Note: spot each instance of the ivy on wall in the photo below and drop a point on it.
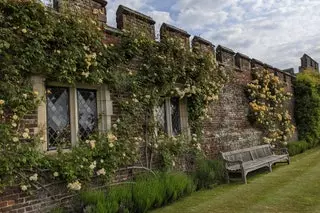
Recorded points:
(141, 73)
(307, 106)
(267, 101)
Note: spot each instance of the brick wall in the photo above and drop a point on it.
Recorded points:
(228, 130)
(13, 200)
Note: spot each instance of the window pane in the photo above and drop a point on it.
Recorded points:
(51, 3)
(58, 118)
(48, 2)
(161, 118)
(87, 112)
(175, 116)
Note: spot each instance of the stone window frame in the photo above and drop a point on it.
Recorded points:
(183, 114)
(104, 108)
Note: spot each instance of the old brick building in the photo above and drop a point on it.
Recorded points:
(308, 63)
(228, 130)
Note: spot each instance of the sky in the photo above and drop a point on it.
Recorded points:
(277, 32)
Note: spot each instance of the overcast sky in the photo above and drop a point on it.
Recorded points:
(276, 32)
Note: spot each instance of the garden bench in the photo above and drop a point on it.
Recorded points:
(247, 160)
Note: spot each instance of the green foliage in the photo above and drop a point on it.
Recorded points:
(177, 185)
(116, 199)
(307, 106)
(207, 173)
(297, 147)
(151, 192)
(172, 149)
(99, 156)
(268, 100)
(68, 48)
(146, 193)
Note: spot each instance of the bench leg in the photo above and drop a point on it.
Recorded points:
(227, 176)
(244, 177)
(288, 161)
(270, 167)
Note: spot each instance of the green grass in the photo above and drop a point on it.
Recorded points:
(288, 189)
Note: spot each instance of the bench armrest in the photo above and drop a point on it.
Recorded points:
(280, 150)
(233, 162)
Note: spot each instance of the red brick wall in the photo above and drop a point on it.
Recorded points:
(229, 128)
(13, 200)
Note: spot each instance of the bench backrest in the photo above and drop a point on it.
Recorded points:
(248, 154)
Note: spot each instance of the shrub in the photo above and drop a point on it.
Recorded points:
(208, 172)
(297, 147)
(147, 193)
(177, 185)
(307, 106)
(152, 192)
(115, 200)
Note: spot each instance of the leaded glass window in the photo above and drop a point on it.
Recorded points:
(161, 119)
(51, 3)
(168, 117)
(87, 112)
(175, 116)
(58, 118)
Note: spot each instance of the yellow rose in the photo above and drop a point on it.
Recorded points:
(111, 137)
(15, 117)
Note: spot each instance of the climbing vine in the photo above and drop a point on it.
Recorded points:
(140, 72)
(268, 109)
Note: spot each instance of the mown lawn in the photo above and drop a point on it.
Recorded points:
(289, 188)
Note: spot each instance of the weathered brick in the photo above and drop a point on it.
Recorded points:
(11, 202)
(21, 210)
(29, 208)
(3, 204)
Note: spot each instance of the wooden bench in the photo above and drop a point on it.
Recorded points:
(247, 160)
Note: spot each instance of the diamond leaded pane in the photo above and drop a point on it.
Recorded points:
(50, 3)
(58, 118)
(160, 112)
(175, 116)
(87, 112)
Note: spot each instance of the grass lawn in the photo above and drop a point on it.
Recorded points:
(289, 188)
